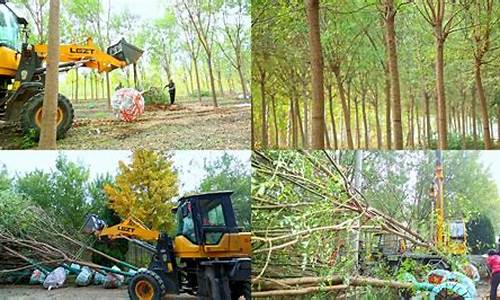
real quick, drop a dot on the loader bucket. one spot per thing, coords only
(124, 51)
(93, 224)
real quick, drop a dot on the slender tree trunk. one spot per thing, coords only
(347, 114)
(428, 129)
(441, 101)
(76, 85)
(365, 120)
(243, 83)
(388, 125)
(263, 108)
(219, 79)
(394, 73)
(377, 119)
(316, 56)
(332, 117)
(498, 122)
(295, 130)
(85, 87)
(483, 105)
(48, 132)
(474, 119)
(299, 122)
(108, 91)
(356, 119)
(275, 117)
(197, 75)
(464, 138)
(212, 79)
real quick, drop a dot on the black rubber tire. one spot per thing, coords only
(241, 289)
(31, 107)
(153, 278)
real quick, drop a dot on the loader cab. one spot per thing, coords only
(204, 218)
(11, 27)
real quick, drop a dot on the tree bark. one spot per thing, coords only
(316, 56)
(347, 114)
(197, 75)
(48, 134)
(441, 101)
(365, 121)
(390, 13)
(275, 117)
(263, 107)
(483, 105)
(474, 118)
(388, 125)
(332, 117)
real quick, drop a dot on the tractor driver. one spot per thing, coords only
(188, 225)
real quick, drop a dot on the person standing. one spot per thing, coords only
(493, 262)
(171, 91)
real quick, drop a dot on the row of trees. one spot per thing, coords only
(379, 74)
(202, 45)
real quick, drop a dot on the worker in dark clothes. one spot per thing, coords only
(493, 262)
(171, 91)
(119, 86)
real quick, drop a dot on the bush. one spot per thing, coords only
(455, 142)
(155, 96)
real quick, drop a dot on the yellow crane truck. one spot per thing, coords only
(22, 72)
(209, 256)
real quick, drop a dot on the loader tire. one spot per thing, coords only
(31, 116)
(146, 285)
(241, 290)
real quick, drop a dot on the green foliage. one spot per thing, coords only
(29, 140)
(228, 173)
(5, 180)
(63, 191)
(481, 235)
(155, 96)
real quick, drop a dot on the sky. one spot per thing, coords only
(145, 9)
(188, 162)
(491, 159)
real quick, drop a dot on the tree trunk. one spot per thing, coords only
(275, 117)
(108, 91)
(243, 83)
(356, 120)
(394, 73)
(428, 129)
(316, 56)
(347, 114)
(464, 137)
(365, 121)
(474, 119)
(483, 105)
(219, 79)
(212, 79)
(76, 85)
(388, 126)
(332, 117)
(48, 132)
(377, 119)
(197, 75)
(441, 101)
(263, 108)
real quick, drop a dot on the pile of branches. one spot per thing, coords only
(287, 186)
(31, 238)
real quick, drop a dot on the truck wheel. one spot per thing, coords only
(241, 290)
(146, 285)
(31, 116)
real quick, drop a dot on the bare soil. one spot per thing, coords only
(187, 125)
(25, 292)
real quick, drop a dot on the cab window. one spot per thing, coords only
(185, 222)
(213, 216)
(9, 29)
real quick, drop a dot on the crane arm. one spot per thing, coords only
(94, 58)
(129, 228)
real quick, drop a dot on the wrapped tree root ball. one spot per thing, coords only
(128, 104)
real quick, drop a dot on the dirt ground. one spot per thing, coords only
(187, 125)
(23, 292)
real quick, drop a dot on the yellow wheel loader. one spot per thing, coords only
(209, 256)
(22, 72)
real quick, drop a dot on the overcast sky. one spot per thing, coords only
(188, 162)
